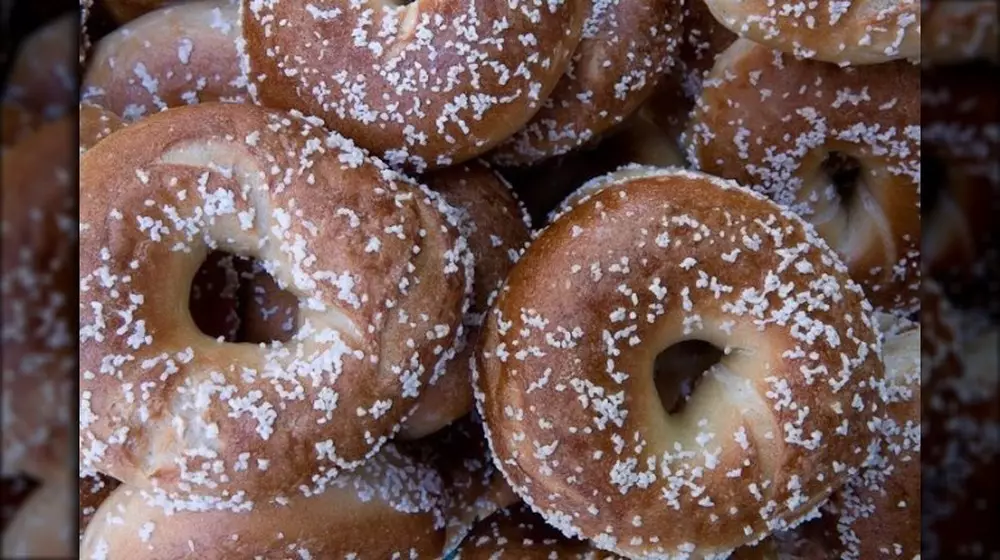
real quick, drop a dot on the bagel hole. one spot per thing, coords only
(232, 298)
(844, 172)
(270, 313)
(214, 296)
(678, 370)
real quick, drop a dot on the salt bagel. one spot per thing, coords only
(96, 123)
(626, 47)
(425, 85)
(702, 39)
(382, 298)
(856, 32)
(171, 57)
(839, 146)
(215, 302)
(877, 513)
(496, 226)
(515, 532)
(387, 509)
(567, 391)
(39, 252)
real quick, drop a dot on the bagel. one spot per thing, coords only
(215, 301)
(496, 227)
(703, 38)
(389, 508)
(96, 123)
(382, 303)
(877, 513)
(517, 532)
(857, 32)
(838, 146)
(626, 47)
(567, 391)
(39, 255)
(170, 57)
(424, 85)
(41, 78)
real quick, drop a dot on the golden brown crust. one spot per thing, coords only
(771, 122)
(853, 32)
(39, 252)
(516, 532)
(626, 47)
(474, 489)
(390, 506)
(171, 57)
(957, 32)
(497, 228)
(702, 39)
(425, 85)
(877, 513)
(567, 391)
(383, 300)
(96, 123)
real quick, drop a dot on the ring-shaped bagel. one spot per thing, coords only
(626, 46)
(171, 57)
(781, 126)
(388, 508)
(381, 302)
(852, 32)
(567, 391)
(429, 84)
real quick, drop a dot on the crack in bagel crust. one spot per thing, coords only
(567, 391)
(426, 85)
(769, 121)
(164, 405)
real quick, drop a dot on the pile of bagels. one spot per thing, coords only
(501, 279)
